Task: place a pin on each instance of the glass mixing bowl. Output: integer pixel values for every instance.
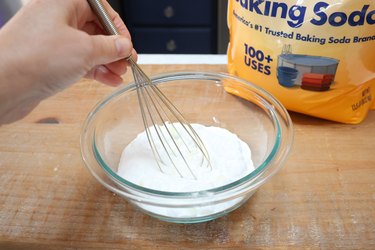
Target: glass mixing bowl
(211, 99)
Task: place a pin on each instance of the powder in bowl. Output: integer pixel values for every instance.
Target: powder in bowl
(230, 160)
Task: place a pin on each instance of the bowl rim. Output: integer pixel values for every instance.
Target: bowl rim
(240, 186)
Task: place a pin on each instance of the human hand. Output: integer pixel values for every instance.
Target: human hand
(51, 44)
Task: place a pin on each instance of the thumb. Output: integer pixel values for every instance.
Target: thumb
(107, 49)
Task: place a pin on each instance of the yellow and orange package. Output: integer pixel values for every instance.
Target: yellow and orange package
(316, 57)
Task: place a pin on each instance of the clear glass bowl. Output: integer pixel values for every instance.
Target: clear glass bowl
(206, 98)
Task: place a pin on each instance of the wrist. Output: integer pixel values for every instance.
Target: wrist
(17, 96)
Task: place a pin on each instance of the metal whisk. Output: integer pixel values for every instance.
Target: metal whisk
(172, 139)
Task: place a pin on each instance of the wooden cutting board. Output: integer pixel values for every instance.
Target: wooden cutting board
(324, 198)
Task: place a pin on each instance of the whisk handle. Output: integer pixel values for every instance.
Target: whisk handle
(106, 21)
(103, 16)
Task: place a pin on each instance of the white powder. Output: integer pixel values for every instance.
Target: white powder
(230, 160)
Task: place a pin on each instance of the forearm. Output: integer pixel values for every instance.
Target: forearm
(14, 106)
(49, 45)
(17, 95)
(16, 100)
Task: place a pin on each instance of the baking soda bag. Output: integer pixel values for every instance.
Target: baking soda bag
(316, 57)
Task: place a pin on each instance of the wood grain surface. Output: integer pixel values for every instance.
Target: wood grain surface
(324, 197)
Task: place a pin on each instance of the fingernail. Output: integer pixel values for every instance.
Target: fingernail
(123, 46)
(103, 69)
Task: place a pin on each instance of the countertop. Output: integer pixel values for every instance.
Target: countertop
(323, 198)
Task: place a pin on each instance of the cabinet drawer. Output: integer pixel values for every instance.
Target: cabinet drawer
(169, 12)
(173, 40)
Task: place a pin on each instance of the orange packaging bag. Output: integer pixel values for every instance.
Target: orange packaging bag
(317, 57)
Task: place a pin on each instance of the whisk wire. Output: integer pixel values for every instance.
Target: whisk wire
(151, 102)
(185, 124)
(142, 77)
(159, 134)
(145, 122)
(155, 106)
(140, 87)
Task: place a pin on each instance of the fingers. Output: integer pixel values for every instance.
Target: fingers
(104, 75)
(108, 49)
(118, 67)
(135, 55)
(92, 28)
(95, 27)
(108, 52)
(120, 25)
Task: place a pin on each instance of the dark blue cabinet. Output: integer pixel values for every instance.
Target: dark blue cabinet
(172, 26)
(173, 40)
